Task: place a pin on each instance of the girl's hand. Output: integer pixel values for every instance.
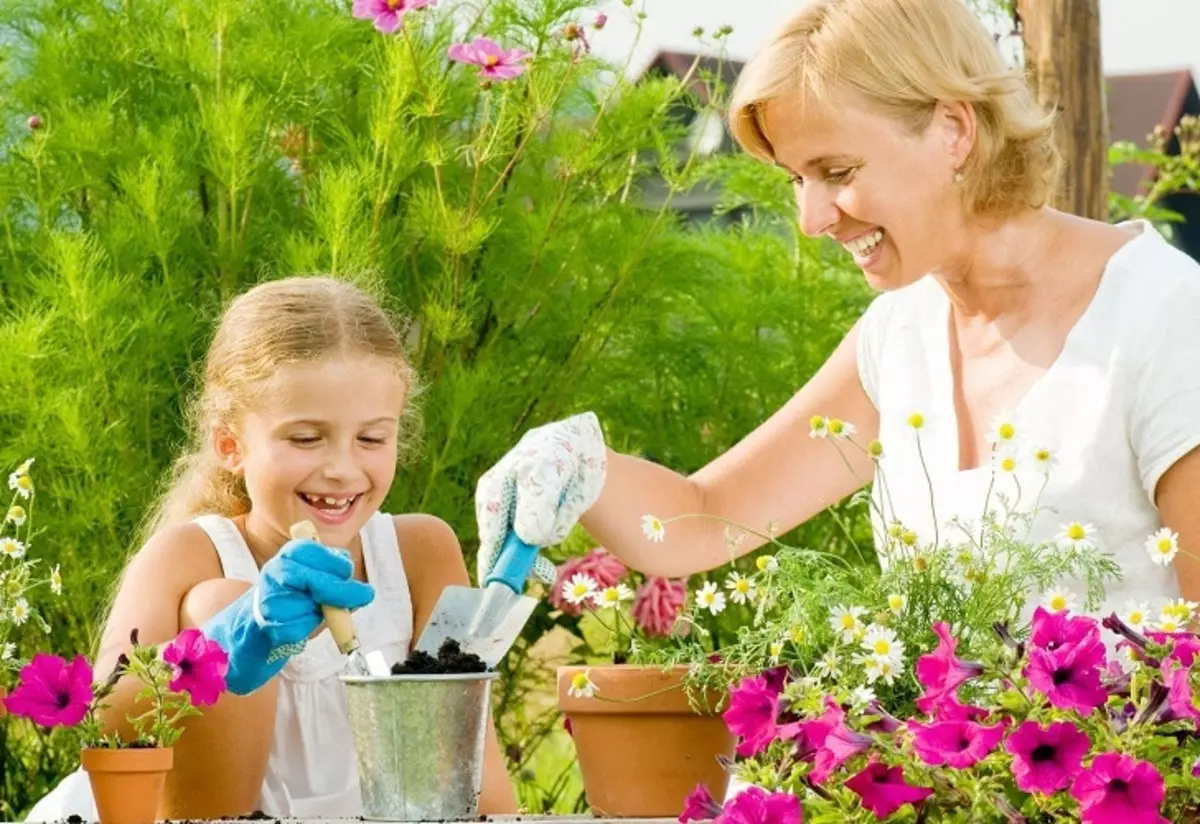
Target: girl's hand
(541, 488)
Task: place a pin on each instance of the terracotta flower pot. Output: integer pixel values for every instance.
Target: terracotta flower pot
(642, 747)
(127, 783)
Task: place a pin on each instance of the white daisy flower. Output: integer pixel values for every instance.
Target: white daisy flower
(612, 596)
(766, 563)
(579, 588)
(775, 650)
(844, 620)
(828, 666)
(582, 685)
(653, 529)
(1168, 623)
(1043, 458)
(1163, 546)
(1060, 600)
(16, 515)
(841, 429)
(896, 602)
(1003, 430)
(878, 668)
(710, 598)
(883, 643)
(8, 651)
(741, 589)
(20, 611)
(11, 548)
(1005, 460)
(1179, 609)
(1076, 535)
(818, 427)
(1136, 614)
(21, 483)
(862, 696)
(56, 581)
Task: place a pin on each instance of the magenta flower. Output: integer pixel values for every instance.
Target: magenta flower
(957, 744)
(387, 14)
(951, 709)
(494, 62)
(699, 806)
(810, 735)
(840, 745)
(1046, 760)
(657, 605)
(1179, 693)
(1184, 645)
(883, 790)
(1116, 789)
(754, 805)
(1052, 630)
(51, 692)
(600, 566)
(940, 672)
(199, 665)
(753, 706)
(1069, 676)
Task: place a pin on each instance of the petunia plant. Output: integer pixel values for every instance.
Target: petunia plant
(186, 673)
(21, 574)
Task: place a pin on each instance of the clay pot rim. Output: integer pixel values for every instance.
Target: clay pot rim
(668, 694)
(127, 759)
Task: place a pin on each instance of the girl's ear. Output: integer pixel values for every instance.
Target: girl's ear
(227, 448)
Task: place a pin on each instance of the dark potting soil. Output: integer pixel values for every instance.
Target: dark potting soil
(450, 659)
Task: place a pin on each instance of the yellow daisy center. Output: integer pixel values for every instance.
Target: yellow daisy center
(836, 426)
(1137, 617)
(742, 586)
(908, 537)
(25, 482)
(882, 647)
(916, 420)
(895, 601)
(580, 681)
(1076, 532)
(848, 621)
(1164, 545)
(1006, 431)
(579, 590)
(1058, 602)
(1008, 464)
(1042, 455)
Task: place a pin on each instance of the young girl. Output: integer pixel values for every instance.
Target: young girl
(299, 419)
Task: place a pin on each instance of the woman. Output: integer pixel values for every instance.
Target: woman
(913, 146)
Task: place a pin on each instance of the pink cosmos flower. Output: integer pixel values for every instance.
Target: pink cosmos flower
(1052, 630)
(387, 14)
(1069, 676)
(839, 746)
(1047, 759)
(600, 566)
(883, 790)
(199, 665)
(51, 692)
(494, 62)
(753, 706)
(1117, 789)
(657, 605)
(940, 672)
(957, 744)
(699, 806)
(754, 805)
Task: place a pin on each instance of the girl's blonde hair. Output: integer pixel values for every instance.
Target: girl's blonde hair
(902, 57)
(294, 320)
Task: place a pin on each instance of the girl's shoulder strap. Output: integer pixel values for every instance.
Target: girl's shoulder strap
(236, 560)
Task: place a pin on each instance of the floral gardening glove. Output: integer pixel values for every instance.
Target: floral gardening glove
(273, 619)
(540, 489)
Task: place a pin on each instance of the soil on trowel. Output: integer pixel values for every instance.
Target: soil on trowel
(450, 659)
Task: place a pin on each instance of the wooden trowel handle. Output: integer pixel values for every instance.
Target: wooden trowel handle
(336, 618)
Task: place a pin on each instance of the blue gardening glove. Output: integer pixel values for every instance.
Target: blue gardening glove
(274, 618)
(540, 489)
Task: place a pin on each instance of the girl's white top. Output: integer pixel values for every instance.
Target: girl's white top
(1117, 408)
(312, 771)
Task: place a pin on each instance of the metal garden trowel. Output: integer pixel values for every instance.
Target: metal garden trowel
(485, 621)
(341, 627)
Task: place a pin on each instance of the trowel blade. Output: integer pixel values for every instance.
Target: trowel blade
(487, 627)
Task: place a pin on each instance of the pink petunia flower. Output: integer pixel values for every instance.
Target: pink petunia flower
(1180, 703)
(699, 806)
(1117, 789)
(657, 605)
(1069, 676)
(840, 745)
(753, 706)
(810, 735)
(1184, 645)
(940, 672)
(51, 692)
(951, 709)
(957, 744)
(199, 665)
(754, 805)
(1047, 759)
(883, 790)
(598, 565)
(387, 14)
(494, 62)
(1052, 630)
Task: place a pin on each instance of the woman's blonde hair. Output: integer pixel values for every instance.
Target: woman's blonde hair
(294, 320)
(903, 57)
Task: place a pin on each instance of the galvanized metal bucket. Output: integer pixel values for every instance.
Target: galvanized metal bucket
(419, 741)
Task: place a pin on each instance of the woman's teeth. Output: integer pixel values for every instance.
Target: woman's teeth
(864, 245)
(327, 503)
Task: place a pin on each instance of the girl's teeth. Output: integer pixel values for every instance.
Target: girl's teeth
(863, 245)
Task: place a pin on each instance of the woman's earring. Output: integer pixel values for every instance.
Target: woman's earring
(958, 178)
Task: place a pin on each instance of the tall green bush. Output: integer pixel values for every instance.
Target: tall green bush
(161, 155)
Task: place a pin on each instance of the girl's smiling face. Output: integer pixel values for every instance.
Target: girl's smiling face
(319, 444)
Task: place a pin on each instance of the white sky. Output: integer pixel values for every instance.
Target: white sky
(1136, 35)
